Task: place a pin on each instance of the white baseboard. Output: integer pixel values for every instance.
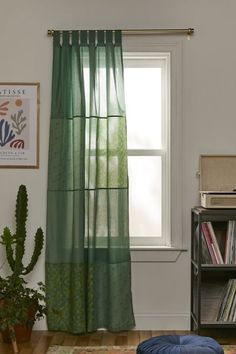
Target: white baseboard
(40, 325)
(178, 321)
(145, 322)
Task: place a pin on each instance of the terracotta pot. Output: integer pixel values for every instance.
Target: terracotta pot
(22, 331)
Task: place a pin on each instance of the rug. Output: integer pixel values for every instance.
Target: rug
(56, 349)
(229, 349)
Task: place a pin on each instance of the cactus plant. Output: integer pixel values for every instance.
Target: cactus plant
(16, 299)
(17, 240)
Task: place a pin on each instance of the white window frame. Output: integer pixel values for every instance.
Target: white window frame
(161, 60)
(172, 230)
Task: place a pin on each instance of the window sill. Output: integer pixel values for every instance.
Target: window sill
(154, 254)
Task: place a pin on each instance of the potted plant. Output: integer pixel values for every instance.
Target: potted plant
(20, 305)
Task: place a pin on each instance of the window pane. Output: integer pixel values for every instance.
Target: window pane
(145, 195)
(143, 107)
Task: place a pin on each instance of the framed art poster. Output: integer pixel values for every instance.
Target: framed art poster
(19, 125)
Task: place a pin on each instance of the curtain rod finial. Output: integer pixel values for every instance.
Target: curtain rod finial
(190, 31)
(50, 32)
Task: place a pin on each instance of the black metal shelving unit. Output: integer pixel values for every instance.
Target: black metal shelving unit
(208, 281)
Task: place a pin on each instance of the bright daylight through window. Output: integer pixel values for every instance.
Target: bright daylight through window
(147, 95)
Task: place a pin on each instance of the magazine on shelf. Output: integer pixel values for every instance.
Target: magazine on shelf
(215, 244)
(210, 243)
(230, 241)
(206, 257)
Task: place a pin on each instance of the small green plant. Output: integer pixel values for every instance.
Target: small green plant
(16, 299)
(20, 304)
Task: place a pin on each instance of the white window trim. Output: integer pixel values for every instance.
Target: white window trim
(162, 60)
(151, 44)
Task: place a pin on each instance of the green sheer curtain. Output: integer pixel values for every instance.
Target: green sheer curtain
(88, 271)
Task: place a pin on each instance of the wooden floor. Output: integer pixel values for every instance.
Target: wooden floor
(41, 340)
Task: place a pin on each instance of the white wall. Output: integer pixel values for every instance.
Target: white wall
(161, 290)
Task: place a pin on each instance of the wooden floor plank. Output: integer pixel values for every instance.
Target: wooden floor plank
(58, 338)
(108, 338)
(145, 335)
(121, 338)
(133, 337)
(82, 340)
(43, 343)
(95, 338)
(41, 340)
(70, 340)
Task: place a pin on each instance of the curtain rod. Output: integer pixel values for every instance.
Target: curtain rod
(187, 31)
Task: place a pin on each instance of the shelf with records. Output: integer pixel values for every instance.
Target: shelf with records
(227, 310)
(218, 242)
(218, 299)
(213, 268)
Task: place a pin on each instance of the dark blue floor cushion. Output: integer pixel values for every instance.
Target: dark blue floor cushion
(176, 344)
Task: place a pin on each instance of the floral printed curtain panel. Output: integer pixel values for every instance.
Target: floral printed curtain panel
(88, 271)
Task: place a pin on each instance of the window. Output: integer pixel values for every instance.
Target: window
(153, 88)
(147, 91)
